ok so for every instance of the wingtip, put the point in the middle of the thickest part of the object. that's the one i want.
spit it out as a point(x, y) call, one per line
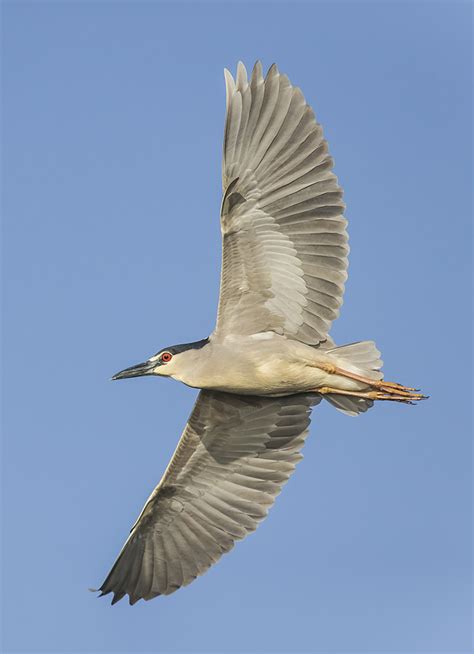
point(98, 590)
point(241, 76)
point(228, 76)
point(272, 71)
point(229, 87)
point(116, 598)
point(257, 71)
point(133, 599)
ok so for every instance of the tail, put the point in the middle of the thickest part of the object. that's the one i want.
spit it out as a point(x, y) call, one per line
point(362, 358)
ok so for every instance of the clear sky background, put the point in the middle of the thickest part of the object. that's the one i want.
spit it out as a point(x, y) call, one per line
point(113, 118)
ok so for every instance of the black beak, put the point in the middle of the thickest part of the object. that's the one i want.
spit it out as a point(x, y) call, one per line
point(145, 368)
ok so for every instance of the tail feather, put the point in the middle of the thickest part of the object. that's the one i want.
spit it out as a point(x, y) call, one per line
point(362, 358)
point(351, 406)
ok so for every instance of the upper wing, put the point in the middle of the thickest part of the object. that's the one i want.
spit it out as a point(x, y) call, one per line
point(285, 246)
point(235, 454)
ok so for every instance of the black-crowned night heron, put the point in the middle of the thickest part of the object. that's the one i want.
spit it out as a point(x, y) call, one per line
point(269, 359)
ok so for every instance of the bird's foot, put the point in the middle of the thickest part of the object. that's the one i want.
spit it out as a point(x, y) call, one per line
point(393, 395)
point(384, 390)
point(397, 396)
point(399, 390)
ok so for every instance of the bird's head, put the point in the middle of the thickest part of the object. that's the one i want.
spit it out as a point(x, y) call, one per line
point(171, 361)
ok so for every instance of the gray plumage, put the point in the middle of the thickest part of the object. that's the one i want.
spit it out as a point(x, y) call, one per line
point(270, 358)
point(284, 236)
point(235, 454)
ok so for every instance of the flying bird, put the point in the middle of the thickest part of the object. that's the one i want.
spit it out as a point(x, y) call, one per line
point(269, 359)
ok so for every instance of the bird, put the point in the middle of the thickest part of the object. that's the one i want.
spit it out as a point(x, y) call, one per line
point(270, 359)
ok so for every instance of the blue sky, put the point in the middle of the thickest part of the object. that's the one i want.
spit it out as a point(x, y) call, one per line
point(113, 117)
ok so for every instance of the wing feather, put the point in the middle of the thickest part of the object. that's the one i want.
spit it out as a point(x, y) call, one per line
point(235, 454)
point(284, 234)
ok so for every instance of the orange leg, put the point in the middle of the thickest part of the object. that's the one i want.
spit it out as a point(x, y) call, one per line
point(407, 398)
point(384, 387)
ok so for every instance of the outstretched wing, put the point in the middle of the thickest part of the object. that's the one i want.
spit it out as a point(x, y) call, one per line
point(285, 246)
point(234, 456)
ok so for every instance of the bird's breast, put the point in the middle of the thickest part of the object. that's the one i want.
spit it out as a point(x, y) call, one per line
point(253, 376)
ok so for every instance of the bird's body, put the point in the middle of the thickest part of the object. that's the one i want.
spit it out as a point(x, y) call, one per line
point(270, 358)
point(261, 364)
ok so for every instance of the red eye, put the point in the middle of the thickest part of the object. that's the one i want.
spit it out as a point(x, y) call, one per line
point(166, 357)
